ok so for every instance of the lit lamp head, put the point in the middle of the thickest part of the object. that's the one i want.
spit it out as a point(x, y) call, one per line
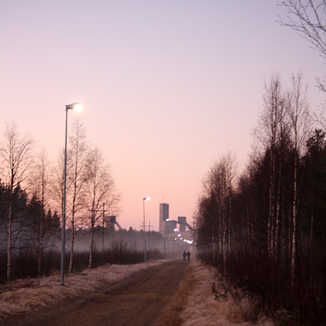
point(74, 106)
point(147, 198)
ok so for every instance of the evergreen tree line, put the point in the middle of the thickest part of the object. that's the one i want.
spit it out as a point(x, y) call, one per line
point(31, 195)
point(265, 229)
point(26, 236)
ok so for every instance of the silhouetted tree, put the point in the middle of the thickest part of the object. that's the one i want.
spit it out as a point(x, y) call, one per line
point(39, 186)
point(100, 188)
point(75, 199)
point(16, 158)
point(299, 125)
point(271, 133)
point(215, 209)
point(40, 229)
point(277, 222)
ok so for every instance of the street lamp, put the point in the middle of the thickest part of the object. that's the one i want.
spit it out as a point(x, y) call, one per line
point(144, 199)
point(76, 107)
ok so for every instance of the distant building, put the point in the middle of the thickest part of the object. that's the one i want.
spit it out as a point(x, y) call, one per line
point(164, 216)
point(182, 221)
point(178, 236)
point(110, 222)
point(170, 227)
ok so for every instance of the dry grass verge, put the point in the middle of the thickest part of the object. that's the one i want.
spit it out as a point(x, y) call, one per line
point(27, 296)
point(172, 312)
point(198, 302)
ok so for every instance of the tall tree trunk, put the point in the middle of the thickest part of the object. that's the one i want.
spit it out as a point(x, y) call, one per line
point(91, 247)
point(229, 220)
point(294, 219)
point(277, 242)
point(40, 244)
point(10, 216)
point(9, 236)
point(72, 242)
point(41, 232)
point(270, 223)
point(311, 238)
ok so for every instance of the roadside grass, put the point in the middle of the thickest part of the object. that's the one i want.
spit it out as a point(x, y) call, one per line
point(171, 315)
point(204, 298)
point(30, 295)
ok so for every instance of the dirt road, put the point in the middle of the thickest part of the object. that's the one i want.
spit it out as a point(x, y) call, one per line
point(137, 300)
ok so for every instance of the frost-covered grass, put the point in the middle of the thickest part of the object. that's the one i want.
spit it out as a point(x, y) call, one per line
point(193, 304)
point(26, 296)
point(228, 309)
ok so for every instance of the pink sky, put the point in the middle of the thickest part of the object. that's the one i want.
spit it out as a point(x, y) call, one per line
point(168, 86)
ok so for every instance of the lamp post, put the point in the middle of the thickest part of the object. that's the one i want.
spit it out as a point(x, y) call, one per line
point(145, 199)
point(76, 107)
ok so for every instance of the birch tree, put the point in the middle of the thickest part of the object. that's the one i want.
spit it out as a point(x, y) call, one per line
point(76, 195)
point(100, 188)
point(297, 109)
point(39, 182)
point(57, 175)
point(215, 207)
point(270, 134)
point(16, 159)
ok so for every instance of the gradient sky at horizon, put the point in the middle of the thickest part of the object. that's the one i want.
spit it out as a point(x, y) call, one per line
point(168, 87)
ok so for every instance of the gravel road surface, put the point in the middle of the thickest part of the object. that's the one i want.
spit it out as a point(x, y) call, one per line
point(137, 300)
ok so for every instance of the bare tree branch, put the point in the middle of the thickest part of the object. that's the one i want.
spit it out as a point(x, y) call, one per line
point(308, 18)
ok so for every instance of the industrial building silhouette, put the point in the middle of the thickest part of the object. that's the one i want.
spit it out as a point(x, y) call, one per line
point(175, 233)
point(167, 226)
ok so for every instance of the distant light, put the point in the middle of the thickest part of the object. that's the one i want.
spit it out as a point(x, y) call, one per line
point(175, 230)
point(167, 219)
point(179, 235)
point(147, 198)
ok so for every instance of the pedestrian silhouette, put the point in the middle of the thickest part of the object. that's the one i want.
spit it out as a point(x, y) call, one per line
point(188, 255)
